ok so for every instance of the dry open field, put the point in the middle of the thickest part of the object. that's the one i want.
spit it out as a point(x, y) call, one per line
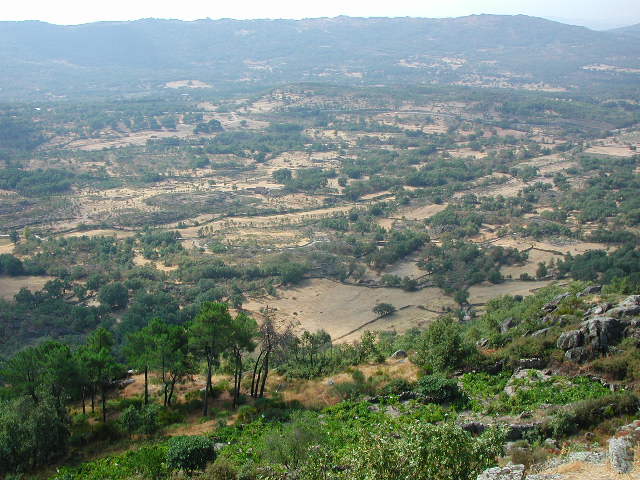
point(9, 286)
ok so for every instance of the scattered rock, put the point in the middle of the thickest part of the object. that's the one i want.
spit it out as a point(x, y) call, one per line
point(331, 382)
point(550, 443)
point(510, 472)
point(399, 355)
point(482, 343)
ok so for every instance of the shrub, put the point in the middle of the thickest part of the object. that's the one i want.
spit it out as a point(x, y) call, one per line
point(589, 413)
point(398, 386)
point(221, 469)
point(442, 348)
point(140, 420)
point(190, 453)
point(289, 446)
point(438, 389)
point(425, 452)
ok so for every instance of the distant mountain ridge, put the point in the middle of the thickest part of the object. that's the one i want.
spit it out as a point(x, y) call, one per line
point(144, 54)
point(630, 30)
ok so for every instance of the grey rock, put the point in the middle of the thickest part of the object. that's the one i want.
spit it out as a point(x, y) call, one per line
point(475, 428)
point(510, 472)
point(482, 343)
point(392, 411)
point(624, 311)
point(592, 290)
point(399, 355)
point(621, 454)
point(517, 431)
point(601, 332)
point(219, 446)
point(541, 333)
point(595, 336)
point(578, 354)
point(507, 325)
point(571, 339)
point(529, 363)
point(553, 304)
point(598, 309)
point(551, 443)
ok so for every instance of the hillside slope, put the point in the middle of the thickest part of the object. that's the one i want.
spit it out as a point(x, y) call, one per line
point(487, 50)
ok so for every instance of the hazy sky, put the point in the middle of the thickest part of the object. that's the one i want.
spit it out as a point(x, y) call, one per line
point(593, 13)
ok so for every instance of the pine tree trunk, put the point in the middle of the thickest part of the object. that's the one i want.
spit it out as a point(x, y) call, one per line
point(266, 372)
point(84, 406)
point(253, 377)
point(146, 385)
point(104, 404)
point(205, 406)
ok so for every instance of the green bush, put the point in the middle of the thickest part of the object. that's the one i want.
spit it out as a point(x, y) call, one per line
point(438, 389)
point(589, 413)
point(140, 420)
point(190, 453)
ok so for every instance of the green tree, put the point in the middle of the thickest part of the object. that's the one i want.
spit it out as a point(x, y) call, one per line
point(115, 295)
point(244, 330)
point(384, 309)
point(14, 236)
point(442, 347)
point(209, 336)
point(100, 364)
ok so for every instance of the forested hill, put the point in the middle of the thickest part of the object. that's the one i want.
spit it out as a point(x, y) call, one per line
point(633, 30)
point(143, 55)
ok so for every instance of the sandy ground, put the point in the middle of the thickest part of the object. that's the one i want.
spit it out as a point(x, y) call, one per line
point(9, 286)
point(589, 471)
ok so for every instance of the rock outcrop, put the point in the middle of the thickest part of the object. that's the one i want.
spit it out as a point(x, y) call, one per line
point(604, 327)
point(622, 447)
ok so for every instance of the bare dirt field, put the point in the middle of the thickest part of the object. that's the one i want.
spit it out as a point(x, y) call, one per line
point(9, 286)
point(5, 246)
point(612, 150)
point(481, 294)
point(340, 309)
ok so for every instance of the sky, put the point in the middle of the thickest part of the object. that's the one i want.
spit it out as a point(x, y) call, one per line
point(598, 14)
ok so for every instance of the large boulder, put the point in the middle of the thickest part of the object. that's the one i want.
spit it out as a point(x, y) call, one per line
point(510, 472)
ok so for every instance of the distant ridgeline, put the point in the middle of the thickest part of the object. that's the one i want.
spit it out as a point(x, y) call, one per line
point(126, 57)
